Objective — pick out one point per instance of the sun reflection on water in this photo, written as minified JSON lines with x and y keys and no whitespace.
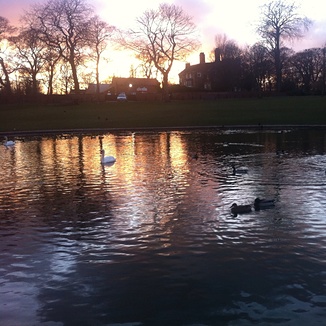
{"x":159,"y":218}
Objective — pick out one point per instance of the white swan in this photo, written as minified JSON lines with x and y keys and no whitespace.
{"x":8,"y":142}
{"x":106,"y":159}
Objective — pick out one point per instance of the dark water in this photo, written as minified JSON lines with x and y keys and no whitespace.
{"x":151,"y":241}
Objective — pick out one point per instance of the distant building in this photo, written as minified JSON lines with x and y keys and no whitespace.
{"x":103,"y":88}
{"x":134,"y":86}
{"x":218,"y":76}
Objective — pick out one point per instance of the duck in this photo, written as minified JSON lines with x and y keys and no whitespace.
{"x":263,"y":203}
{"x":241,"y":170}
{"x":8,"y":142}
{"x":240,"y":209}
{"x":194,"y":156}
{"x":106,"y":159}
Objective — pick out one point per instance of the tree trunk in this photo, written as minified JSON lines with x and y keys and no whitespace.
{"x":278,"y":69}
{"x":51,"y":76}
{"x":97,"y":78}
{"x":324,"y":74}
{"x":165,"y":84}
{"x":34,"y":85}
{"x":50,"y":85}
{"x":278,"y":64}
{"x":74,"y":75}
{"x":7,"y":84}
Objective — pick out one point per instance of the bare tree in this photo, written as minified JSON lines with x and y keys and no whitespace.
{"x":51,"y":58}
{"x":258,"y":67}
{"x":66,"y":79}
{"x":63,"y":25}
{"x":29,"y":56}
{"x":324,"y":70}
{"x":308,"y":65}
{"x":228,"y":49}
{"x":280,"y":21}
{"x":147,"y":65}
{"x":162,"y":36}
{"x":5,"y":28}
{"x":5,"y":31}
{"x":98,"y":36}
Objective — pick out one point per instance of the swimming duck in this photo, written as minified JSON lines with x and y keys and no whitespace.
{"x":263,"y":203}
{"x":194,"y":156}
{"x":241,"y":170}
{"x":106,"y":159}
{"x":8,"y":142}
{"x":240,"y":209}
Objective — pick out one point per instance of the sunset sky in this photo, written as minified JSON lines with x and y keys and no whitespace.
{"x":236,"y":19}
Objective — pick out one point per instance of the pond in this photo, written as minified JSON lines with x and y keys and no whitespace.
{"x":150,"y":240}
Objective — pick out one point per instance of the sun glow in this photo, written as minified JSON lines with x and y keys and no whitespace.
{"x":237,"y":20}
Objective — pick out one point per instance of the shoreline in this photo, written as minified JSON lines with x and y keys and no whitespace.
{"x":105,"y":130}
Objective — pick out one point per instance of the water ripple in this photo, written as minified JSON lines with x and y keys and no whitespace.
{"x":79,"y":241}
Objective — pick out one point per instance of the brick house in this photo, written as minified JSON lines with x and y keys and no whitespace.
{"x":218,"y":76}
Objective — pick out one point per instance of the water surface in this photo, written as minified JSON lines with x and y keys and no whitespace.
{"x":150,"y":240}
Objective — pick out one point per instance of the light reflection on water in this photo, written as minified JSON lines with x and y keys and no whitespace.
{"x":150,"y":240}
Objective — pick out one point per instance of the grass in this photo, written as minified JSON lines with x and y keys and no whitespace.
{"x":309,"y":110}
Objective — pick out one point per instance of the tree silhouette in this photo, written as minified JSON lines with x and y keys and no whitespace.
{"x":162,"y":36}
{"x":280,"y":21}
{"x":308,"y":65}
{"x":30,"y":58}
{"x":5,"y":31}
{"x":63,"y":25}
{"x":97,"y":38}
{"x":228,"y":49}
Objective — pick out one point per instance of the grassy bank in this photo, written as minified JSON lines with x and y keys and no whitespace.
{"x":265,"y":111}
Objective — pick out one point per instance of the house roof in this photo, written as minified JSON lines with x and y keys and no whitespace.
{"x":136,"y":81}
{"x":92,"y":88}
{"x":203,"y":67}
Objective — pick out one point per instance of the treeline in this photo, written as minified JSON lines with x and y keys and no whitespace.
{"x":60,"y":45}
{"x":253,"y":69}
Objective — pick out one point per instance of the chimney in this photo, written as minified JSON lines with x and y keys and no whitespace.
{"x":202,"y":58}
{"x":187,"y":65}
{"x":217,"y":55}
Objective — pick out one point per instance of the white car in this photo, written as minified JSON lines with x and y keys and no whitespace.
{"x":122,"y":97}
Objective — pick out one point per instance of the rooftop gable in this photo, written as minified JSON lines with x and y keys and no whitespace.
{"x":135,"y":81}
{"x":92,"y":88}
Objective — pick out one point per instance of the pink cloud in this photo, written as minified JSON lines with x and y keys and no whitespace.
{"x":198,"y":9}
{"x":12,"y":10}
